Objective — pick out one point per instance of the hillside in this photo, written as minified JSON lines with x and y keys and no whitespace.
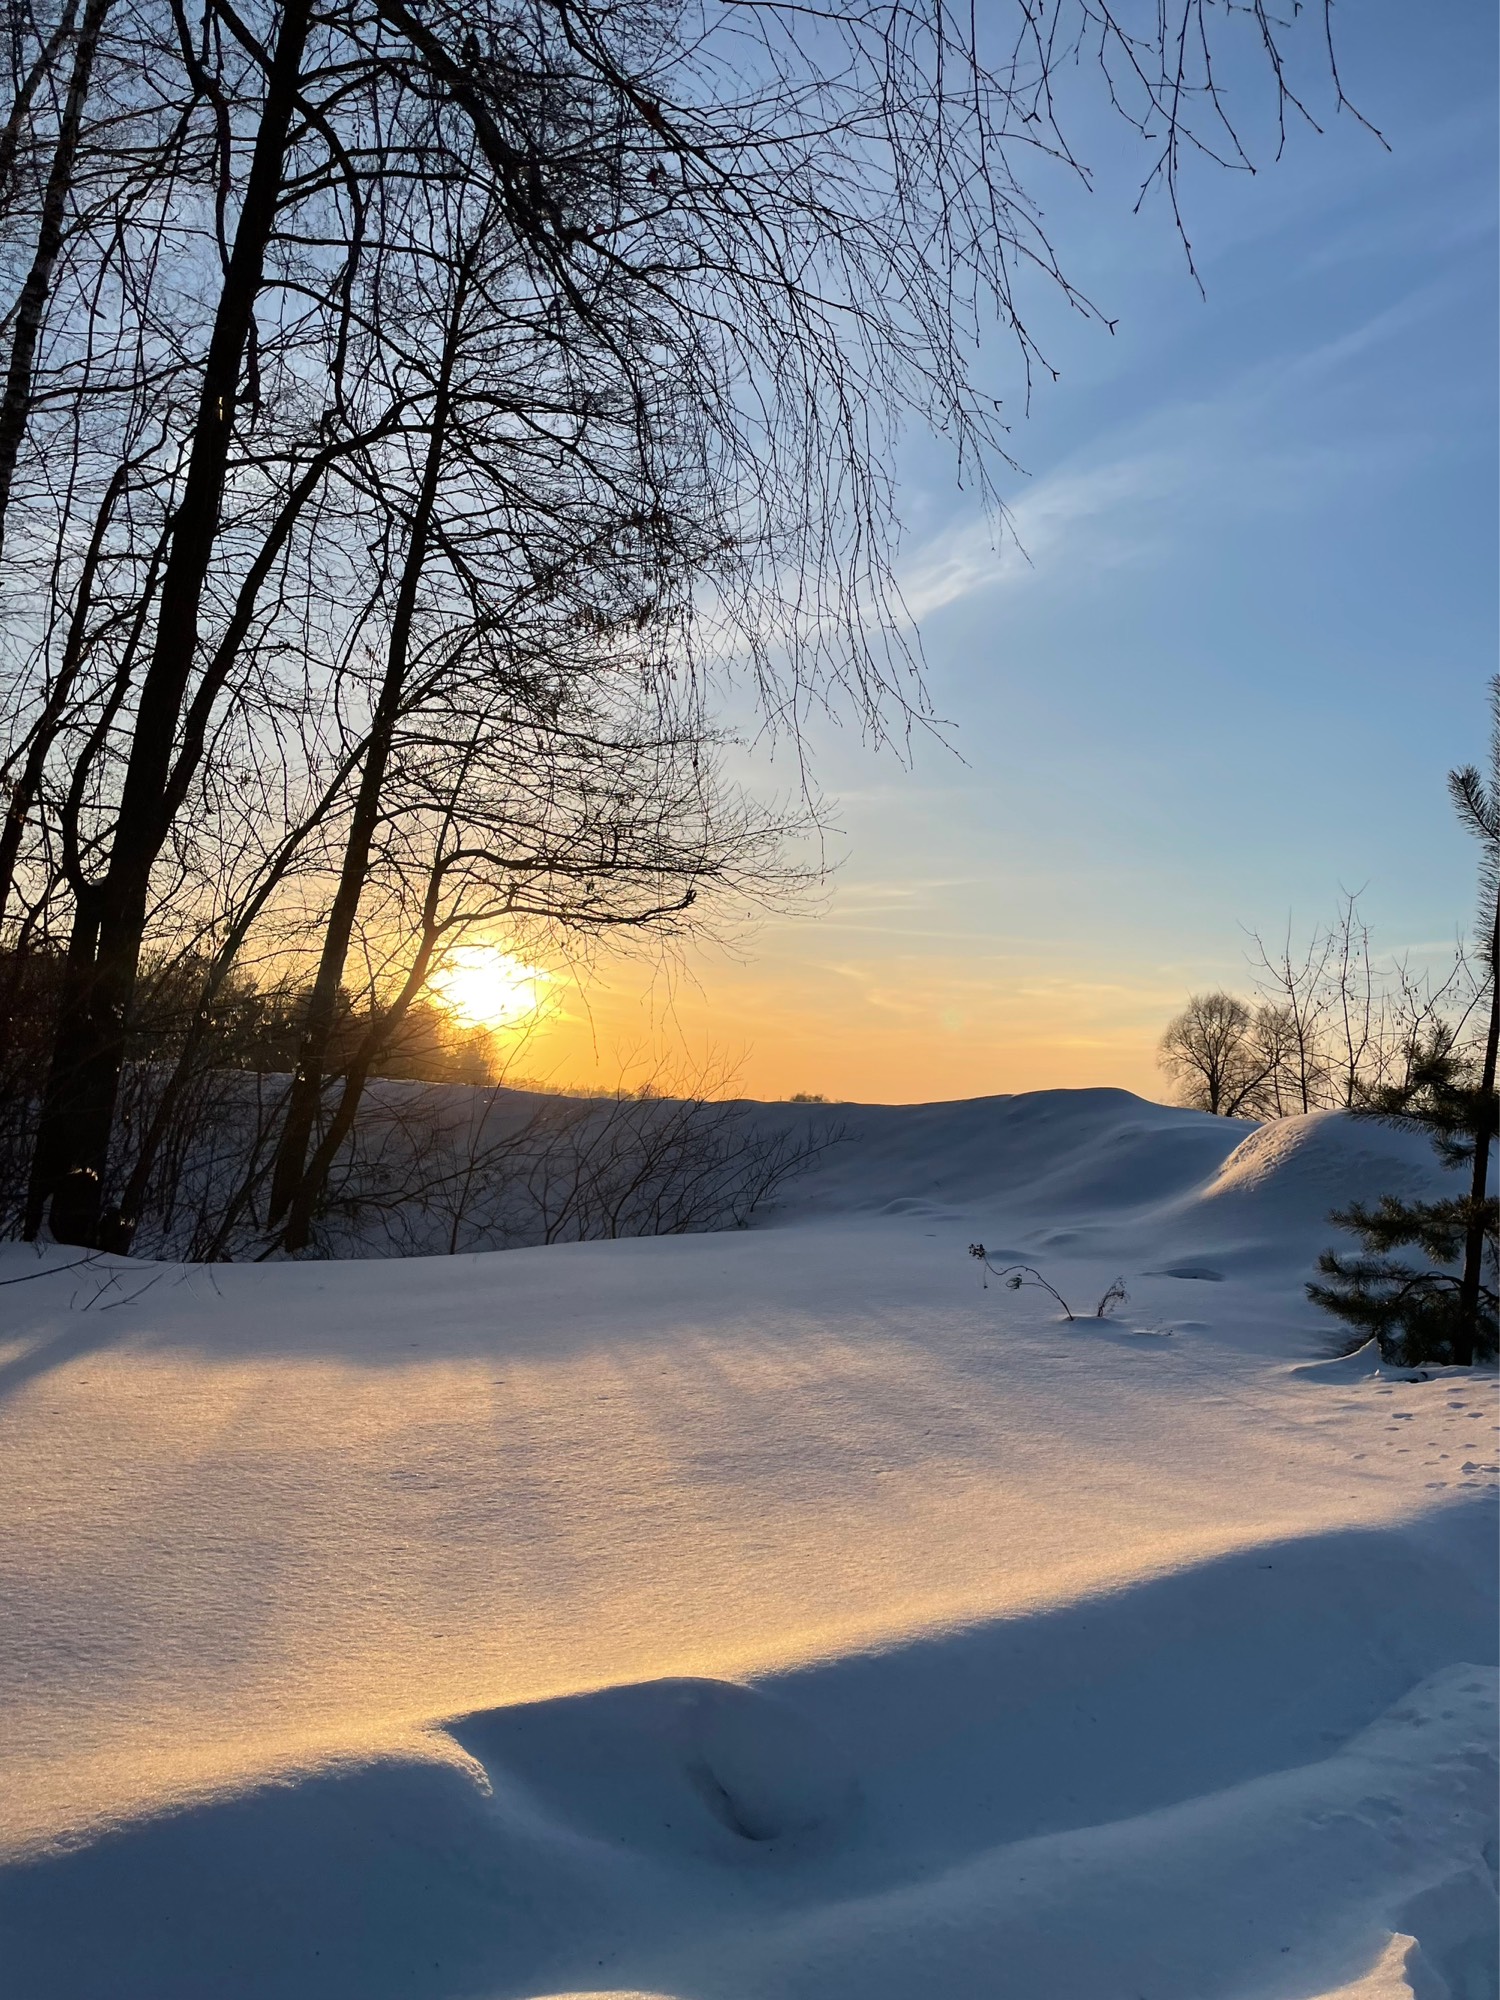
{"x":767,"y":1613}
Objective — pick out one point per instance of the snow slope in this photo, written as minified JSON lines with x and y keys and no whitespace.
{"x":778,"y":1613}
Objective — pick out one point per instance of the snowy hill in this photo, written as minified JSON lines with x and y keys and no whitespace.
{"x":1049,"y":1150}
{"x":1103,"y":1159}
{"x":760,"y":1614}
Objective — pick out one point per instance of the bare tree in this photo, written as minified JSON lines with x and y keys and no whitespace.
{"x":1296,"y":987}
{"x":1335,"y":1028}
{"x":736,"y":250}
{"x":617,"y":836}
{"x":30,"y":308}
{"x":1345,"y":1025}
{"x":1213,"y":1052}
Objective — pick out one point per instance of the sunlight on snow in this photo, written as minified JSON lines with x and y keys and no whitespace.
{"x":535,"y":1482}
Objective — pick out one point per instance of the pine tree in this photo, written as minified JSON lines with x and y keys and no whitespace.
{"x":1444,"y":1309}
{"x":1420,"y":1312}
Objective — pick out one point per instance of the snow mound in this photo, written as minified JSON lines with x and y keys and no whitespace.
{"x":688,"y":1758}
{"x":1168,"y":1191}
{"x":1274,"y":1193}
{"x":1303,"y":1163}
{"x":1297,"y":1841}
{"x":1103,"y":1172}
{"x":1045,"y":1151}
{"x":1366,"y":1364}
{"x":1244,"y":1780}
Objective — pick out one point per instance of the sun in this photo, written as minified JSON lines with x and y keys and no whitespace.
{"x":484,"y":987}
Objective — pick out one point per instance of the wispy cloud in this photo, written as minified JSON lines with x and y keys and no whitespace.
{"x":1249,"y":449}
{"x":1045,"y":522}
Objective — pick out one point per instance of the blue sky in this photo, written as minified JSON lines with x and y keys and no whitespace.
{"x":1249,"y":633}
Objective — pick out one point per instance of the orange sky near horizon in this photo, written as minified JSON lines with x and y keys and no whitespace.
{"x":892,"y":1027}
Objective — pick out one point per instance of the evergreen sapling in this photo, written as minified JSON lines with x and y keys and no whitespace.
{"x":1444,"y":1309}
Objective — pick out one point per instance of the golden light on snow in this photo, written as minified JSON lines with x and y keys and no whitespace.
{"x":484,"y":987}
{"x":292,"y":1512}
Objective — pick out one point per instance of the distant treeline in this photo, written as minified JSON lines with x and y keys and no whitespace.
{"x":425,"y":1169}
{"x":1328,"y":1026}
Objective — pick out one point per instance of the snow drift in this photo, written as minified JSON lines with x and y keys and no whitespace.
{"x":762,"y":1614}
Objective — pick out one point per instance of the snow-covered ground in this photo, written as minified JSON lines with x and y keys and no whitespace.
{"x":762,"y":1614}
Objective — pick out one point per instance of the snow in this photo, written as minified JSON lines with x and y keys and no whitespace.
{"x":776,"y":1613}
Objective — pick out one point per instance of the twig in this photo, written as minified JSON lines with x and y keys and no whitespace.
{"x":133,"y":1296}
{"x":1016,"y":1275}
{"x":1116,"y":1295}
{"x":52,"y":1271}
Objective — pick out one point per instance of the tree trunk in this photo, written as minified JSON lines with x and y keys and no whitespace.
{"x":83,"y":1081}
{"x":309,"y":1190}
{"x":306,"y":1095}
{"x":1468,"y":1288}
{"x":223,"y":964}
{"x":15,"y":407}
{"x":44,"y":733}
{"x":56,"y":1151}
{"x":10,"y":132}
